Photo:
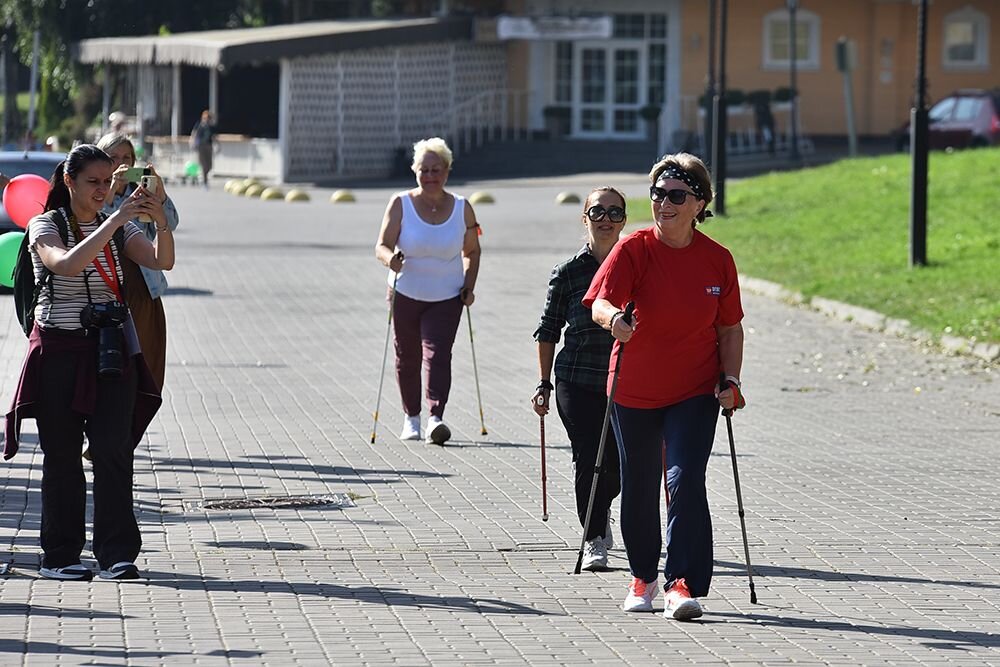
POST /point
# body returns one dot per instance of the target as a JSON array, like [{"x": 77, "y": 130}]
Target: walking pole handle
[{"x": 629, "y": 309}]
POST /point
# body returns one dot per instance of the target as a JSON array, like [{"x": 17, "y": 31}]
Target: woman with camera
[
  {"x": 143, "y": 286},
  {"x": 83, "y": 373}
]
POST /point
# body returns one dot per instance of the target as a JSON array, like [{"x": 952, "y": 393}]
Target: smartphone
[
  {"x": 133, "y": 174},
  {"x": 152, "y": 184}
]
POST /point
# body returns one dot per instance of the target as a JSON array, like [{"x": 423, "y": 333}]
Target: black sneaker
[
  {"x": 76, "y": 572},
  {"x": 122, "y": 570}
]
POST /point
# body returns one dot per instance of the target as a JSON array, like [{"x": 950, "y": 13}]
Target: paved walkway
[{"x": 868, "y": 467}]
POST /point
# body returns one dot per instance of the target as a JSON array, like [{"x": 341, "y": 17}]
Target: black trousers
[
  {"x": 582, "y": 413},
  {"x": 64, "y": 488}
]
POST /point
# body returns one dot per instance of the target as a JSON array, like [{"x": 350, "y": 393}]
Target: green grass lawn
[{"x": 842, "y": 232}]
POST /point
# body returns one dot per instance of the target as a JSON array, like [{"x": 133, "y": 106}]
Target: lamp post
[
  {"x": 918, "y": 149},
  {"x": 709, "y": 103},
  {"x": 793, "y": 53},
  {"x": 720, "y": 117}
]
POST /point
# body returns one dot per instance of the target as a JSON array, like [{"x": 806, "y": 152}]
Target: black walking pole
[
  {"x": 599, "y": 461},
  {"x": 541, "y": 433},
  {"x": 728, "y": 414}
]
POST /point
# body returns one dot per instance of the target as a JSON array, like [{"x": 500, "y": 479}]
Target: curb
[{"x": 870, "y": 319}]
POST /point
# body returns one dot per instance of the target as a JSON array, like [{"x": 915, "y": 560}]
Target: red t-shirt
[{"x": 680, "y": 295}]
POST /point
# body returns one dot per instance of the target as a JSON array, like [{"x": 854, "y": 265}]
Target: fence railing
[
  {"x": 745, "y": 136},
  {"x": 493, "y": 115}
]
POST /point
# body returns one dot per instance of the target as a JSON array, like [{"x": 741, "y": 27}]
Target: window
[
  {"x": 942, "y": 110},
  {"x": 967, "y": 109},
  {"x": 966, "y": 40},
  {"x": 777, "y": 40},
  {"x": 564, "y": 72}
]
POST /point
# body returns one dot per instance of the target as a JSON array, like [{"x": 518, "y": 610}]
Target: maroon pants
[{"x": 424, "y": 333}]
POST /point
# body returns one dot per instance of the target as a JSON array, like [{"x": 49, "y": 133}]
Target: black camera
[{"x": 108, "y": 319}]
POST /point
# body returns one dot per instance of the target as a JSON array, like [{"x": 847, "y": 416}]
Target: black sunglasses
[
  {"x": 676, "y": 197},
  {"x": 614, "y": 214}
]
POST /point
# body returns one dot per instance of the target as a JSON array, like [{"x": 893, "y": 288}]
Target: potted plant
[
  {"x": 784, "y": 96},
  {"x": 557, "y": 120}
]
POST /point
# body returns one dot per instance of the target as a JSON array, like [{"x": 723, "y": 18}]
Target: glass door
[{"x": 611, "y": 81}]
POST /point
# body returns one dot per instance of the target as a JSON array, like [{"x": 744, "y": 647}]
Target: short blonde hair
[
  {"x": 113, "y": 140},
  {"x": 435, "y": 145}
]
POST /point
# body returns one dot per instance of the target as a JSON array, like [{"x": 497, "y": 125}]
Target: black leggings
[{"x": 582, "y": 413}]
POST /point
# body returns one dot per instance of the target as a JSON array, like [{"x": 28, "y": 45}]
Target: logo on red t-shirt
[{"x": 714, "y": 290}]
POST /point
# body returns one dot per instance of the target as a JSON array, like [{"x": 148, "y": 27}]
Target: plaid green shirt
[{"x": 585, "y": 356}]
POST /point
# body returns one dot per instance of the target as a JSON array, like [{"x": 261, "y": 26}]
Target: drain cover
[{"x": 339, "y": 500}]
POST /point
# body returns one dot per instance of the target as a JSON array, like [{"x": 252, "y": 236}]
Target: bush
[
  {"x": 557, "y": 111},
  {"x": 651, "y": 112},
  {"x": 784, "y": 94}
]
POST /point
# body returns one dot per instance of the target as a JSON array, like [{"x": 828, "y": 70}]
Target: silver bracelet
[
  {"x": 164, "y": 228},
  {"x": 611, "y": 326}
]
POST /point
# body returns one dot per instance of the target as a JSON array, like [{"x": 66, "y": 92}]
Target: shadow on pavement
[
  {"x": 941, "y": 639},
  {"x": 279, "y": 463},
  {"x": 769, "y": 571},
  {"x": 386, "y": 595},
  {"x": 19, "y": 609},
  {"x": 36, "y": 648}
]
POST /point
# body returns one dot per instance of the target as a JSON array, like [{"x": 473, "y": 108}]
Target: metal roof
[{"x": 225, "y": 48}]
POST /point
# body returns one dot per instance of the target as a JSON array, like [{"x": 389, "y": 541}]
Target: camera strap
[{"x": 115, "y": 285}]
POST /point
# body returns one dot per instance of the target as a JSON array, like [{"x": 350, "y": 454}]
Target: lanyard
[{"x": 115, "y": 285}]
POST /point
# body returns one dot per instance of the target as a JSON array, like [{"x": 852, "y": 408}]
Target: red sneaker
[{"x": 680, "y": 605}]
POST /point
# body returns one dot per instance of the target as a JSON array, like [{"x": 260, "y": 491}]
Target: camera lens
[{"x": 110, "y": 357}]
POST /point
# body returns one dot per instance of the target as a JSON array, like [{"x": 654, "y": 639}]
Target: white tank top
[{"x": 433, "y": 254}]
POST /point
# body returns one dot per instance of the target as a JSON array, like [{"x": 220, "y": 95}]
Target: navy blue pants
[{"x": 688, "y": 431}]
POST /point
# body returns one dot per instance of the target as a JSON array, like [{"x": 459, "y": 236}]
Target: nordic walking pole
[
  {"x": 385, "y": 351},
  {"x": 627, "y": 317},
  {"x": 475, "y": 370},
  {"x": 541, "y": 432},
  {"x": 739, "y": 496}
]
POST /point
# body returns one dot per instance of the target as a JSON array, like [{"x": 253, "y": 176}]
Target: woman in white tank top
[{"x": 430, "y": 242}]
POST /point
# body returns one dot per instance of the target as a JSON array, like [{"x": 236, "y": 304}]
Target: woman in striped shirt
[{"x": 83, "y": 372}]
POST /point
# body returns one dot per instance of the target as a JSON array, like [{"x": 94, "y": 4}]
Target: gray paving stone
[{"x": 867, "y": 463}]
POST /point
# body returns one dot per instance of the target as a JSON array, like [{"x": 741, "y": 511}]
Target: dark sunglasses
[
  {"x": 598, "y": 213},
  {"x": 676, "y": 197}
]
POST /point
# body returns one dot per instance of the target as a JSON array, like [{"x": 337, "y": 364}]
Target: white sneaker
[
  {"x": 437, "y": 432},
  {"x": 595, "y": 556},
  {"x": 640, "y": 595},
  {"x": 609, "y": 539},
  {"x": 411, "y": 428},
  {"x": 680, "y": 605}
]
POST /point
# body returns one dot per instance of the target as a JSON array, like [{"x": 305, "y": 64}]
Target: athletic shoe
[
  {"x": 121, "y": 570},
  {"x": 680, "y": 605},
  {"x": 437, "y": 432},
  {"x": 595, "y": 556},
  {"x": 76, "y": 572},
  {"x": 411, "y": 428},
  {"x": 640, "y": 595},
  {"x": 609, "y": 539}
]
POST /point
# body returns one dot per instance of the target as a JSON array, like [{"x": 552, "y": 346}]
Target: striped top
[{"x": 62, "y": 309}]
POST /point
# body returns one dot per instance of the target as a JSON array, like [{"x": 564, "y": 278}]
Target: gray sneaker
[
  {"x": 595, "y": 556},
  {"x": 75, "y": 572}
]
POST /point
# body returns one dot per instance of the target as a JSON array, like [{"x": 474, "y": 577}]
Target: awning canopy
[{"x": 225, "y": 48}]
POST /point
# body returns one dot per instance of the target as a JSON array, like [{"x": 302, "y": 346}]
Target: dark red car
[{"x": 964, "y": 119}]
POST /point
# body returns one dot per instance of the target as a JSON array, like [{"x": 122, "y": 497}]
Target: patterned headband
[{"x": 675, "y": 172}]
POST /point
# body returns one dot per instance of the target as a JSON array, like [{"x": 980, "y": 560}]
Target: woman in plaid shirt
[{"x": 581, "y": 368}]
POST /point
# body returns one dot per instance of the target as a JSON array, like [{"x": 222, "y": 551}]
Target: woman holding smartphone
[{"x": 143, "y": 286}]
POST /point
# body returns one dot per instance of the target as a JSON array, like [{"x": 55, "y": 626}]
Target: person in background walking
[
  {"x": 581, "y": 369},
  {"x": 203, "y": 141},
  {"x": 686, "y": 330},
  {"x": 143, "y": 286},
  {"x": 82, "y": 374},
  {"x": 430, "y": 242}
]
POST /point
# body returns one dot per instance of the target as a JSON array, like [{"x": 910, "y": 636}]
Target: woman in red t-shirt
[{"x": 685, "y": 332}]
